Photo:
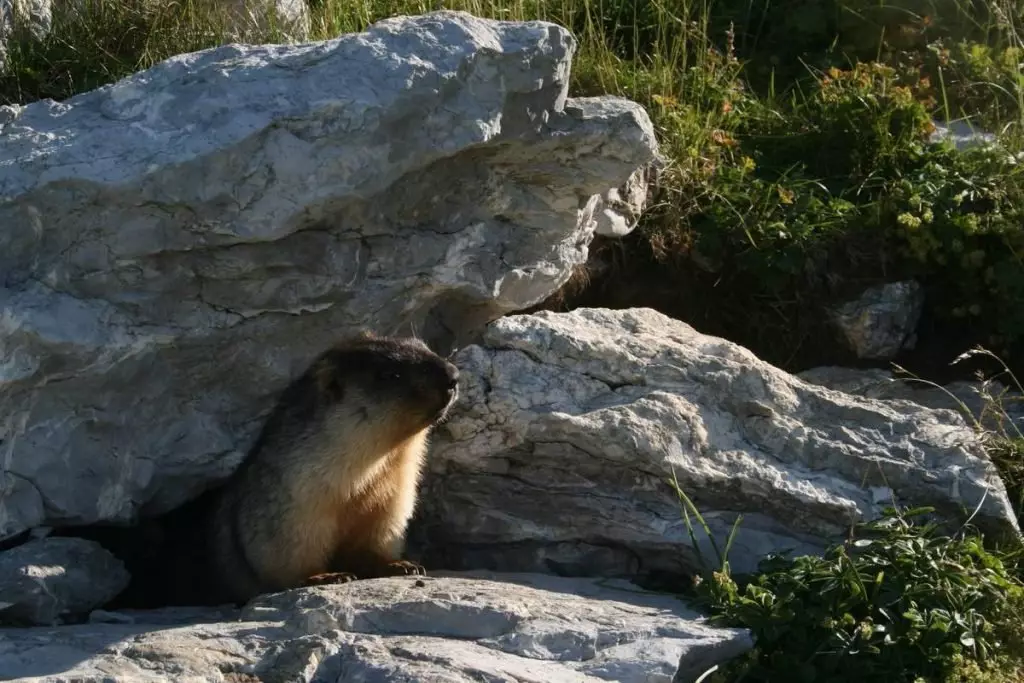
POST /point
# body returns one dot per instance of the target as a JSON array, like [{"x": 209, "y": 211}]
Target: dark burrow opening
[{"x": 163, "y": 553}]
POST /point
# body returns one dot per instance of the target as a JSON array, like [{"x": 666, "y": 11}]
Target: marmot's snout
[
  {"x": 439, "y": 386},
  {"x": 453, "y": 377},
  {"x": 453, "y": 390}
]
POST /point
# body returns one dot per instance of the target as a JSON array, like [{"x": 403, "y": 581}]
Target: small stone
[
  {"x": 882, "y": 321},
  {"x": 962, "y": 134},
  {"x": 619, "y": 209},
  {"x": 46, "y": 580}
]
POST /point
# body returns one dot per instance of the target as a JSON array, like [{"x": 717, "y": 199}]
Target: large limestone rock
[
  {"x": 176, "y": 246},
  {"x": 560, "y": 452},
  {"x": 500, "y": 628}
]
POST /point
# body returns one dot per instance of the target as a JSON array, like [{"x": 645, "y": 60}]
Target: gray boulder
[
  {"x": 561, "y": 452},
  {"x": 882, "y": 320},
  {"x": 176, "y": 246},
  {"x": 47, "y": 580},
  {"x": 478, "y": 626}
]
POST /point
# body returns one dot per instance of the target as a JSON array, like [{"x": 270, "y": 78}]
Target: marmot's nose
[{"x": 453, "y": 376}]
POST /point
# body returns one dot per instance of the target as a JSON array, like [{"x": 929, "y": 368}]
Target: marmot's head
[{"x": 396, "y": 383}]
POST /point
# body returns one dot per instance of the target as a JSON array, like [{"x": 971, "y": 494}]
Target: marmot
[{"x": 324, "y": 495}]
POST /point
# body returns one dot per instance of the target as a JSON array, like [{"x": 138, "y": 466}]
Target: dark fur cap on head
[{"x": 384, "y": 366}]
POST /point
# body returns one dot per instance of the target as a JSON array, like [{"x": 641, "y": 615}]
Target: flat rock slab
[
  {"x": 178, "y": 245},
  {"x": 467, "y": 627},
  {"x": 560, "y": 454}
]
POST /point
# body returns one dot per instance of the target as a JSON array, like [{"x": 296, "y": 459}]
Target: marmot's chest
[{"x": 364, "y": 512}]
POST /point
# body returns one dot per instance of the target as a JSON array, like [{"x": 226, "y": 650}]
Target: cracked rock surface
[
  {"x": 570, "y": 426},
  {"x": 175, "y": 247},
  {"x": 996, "y": 406},
  {"x": 519, "y": 628}
]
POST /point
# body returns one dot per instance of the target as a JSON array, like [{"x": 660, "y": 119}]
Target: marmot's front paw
[
  {"x": 329, "y": 578},
  {"x": 406, "y": 568}
]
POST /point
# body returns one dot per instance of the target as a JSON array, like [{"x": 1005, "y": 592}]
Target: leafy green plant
[
  {"x": 897, "y": 602},
  {"x": 1008, "y": 456},
  {"x": 794, "y": 203},
  {"x": 958, "y": 221}
]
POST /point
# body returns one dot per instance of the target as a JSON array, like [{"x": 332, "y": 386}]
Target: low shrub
[{"x": 898, "y": 600}]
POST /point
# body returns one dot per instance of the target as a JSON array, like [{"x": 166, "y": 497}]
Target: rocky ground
[{"x": 459, "y": 627}]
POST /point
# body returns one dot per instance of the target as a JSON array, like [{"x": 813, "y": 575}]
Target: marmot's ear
[
  {"x": 364, "y": 333},
  {"x": 328, "y": 381}
]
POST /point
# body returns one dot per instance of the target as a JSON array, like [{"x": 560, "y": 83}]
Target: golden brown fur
[{"x": 327, "y": 490}]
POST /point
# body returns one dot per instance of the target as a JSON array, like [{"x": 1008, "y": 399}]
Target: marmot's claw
[
  {"x": 329, "y": 578},
  {"x": 407, "y": 568}
]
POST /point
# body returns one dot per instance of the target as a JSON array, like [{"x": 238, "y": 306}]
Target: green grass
[{"x": 797, "y": 132}]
